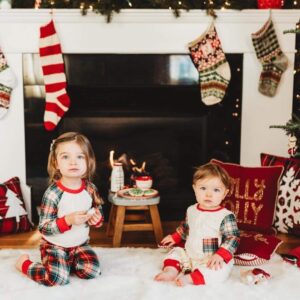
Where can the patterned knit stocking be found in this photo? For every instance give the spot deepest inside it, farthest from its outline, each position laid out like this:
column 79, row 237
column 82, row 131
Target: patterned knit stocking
column 274, row 62
column 57, row 100
column 7, row 83
column 214, row 72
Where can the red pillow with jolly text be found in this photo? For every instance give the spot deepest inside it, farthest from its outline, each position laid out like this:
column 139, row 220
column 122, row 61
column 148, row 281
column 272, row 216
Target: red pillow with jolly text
column 253, row 195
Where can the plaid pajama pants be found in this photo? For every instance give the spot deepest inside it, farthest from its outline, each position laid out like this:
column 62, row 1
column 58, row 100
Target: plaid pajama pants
column 59, row 262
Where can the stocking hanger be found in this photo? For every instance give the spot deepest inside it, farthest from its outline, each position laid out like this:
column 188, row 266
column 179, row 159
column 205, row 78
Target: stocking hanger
column 270, row 14
column 51, row 13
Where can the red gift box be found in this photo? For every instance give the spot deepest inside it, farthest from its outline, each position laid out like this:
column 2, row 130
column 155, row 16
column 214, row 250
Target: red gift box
column 270, row 3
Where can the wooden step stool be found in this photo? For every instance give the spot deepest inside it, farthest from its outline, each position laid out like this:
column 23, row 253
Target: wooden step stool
column 118, row 215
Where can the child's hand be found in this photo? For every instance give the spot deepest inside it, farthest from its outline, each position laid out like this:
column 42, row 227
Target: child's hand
column 167, row 241
column 76, row 218
column 215, row 262
column 95, row 218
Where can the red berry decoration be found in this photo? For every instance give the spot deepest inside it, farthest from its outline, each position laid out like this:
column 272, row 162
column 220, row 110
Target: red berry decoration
column 270, row 3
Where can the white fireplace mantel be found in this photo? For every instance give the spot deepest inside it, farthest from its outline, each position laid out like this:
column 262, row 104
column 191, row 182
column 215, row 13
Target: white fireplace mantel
column 152, row 31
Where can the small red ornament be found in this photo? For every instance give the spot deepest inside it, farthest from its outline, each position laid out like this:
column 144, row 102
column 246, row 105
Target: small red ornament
column 270, row 3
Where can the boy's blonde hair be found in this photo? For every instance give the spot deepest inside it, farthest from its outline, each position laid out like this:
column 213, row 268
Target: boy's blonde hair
column 87, row 150
column 212, row 170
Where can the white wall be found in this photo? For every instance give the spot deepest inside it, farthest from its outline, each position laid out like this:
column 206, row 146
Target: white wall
column 152, row 31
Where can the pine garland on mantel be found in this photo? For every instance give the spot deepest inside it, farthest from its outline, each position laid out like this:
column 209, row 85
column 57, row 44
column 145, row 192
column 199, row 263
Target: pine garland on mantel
column 107, row 7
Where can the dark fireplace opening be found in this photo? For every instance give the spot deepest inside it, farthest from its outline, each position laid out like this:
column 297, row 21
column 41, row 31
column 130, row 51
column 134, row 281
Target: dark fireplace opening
column 144, row 106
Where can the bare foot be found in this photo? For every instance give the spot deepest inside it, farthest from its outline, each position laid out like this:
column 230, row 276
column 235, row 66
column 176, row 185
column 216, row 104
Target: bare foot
column 183, row 280
column 20, row 261
column 168, row 274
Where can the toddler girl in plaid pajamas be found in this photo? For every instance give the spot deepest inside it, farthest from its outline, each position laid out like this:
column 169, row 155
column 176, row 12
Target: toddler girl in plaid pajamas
column 210, row 233
column 65, row 218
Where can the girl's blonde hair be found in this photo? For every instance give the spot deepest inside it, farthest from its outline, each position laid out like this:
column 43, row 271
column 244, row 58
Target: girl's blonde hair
column 212, row 170
column 85, row 145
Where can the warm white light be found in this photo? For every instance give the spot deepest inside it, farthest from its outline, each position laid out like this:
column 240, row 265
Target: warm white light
column 132, row 162
column 238, row 69
column 111, row 157
column 143, row 165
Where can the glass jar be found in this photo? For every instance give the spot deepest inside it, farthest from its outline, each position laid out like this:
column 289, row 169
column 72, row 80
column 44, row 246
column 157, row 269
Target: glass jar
column 117, row 177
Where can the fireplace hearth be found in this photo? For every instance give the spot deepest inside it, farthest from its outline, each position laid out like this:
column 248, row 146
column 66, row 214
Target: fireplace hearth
column 146, row 106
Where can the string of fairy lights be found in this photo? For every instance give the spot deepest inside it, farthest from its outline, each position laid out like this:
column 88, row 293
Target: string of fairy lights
column 109, row 6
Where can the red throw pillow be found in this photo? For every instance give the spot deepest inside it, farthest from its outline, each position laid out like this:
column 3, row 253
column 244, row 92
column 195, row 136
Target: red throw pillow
column 255, row 248
column 287, row 212
column 13, row 215
column 253, row 195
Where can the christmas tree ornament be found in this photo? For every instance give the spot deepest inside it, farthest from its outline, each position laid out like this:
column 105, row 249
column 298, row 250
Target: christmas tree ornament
column 57, row 99
column 270, row 3
column 273, row 61
column 292, row 130
column 214, row 72
column 7, row 83
column 292, row 145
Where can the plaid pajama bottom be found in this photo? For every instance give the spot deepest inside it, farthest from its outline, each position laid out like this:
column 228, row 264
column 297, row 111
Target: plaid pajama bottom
column 59, row 262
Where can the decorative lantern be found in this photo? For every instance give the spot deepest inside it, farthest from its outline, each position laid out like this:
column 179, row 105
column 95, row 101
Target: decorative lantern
column 270, row 4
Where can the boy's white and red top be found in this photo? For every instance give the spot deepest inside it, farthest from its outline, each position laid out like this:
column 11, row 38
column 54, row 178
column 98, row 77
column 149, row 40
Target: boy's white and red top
column 57, row 100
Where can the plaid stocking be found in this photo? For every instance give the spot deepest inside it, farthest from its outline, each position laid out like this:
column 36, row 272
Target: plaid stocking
column 57, row 100
column 7, row 83
column 274, row 62
column 214, row 72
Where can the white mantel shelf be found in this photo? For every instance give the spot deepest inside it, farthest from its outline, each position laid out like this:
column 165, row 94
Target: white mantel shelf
column 152, row 31
column 148, row 16
column 138, row 30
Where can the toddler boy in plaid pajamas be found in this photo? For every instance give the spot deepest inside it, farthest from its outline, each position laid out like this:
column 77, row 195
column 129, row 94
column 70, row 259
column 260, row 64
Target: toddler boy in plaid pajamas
column 210, row 233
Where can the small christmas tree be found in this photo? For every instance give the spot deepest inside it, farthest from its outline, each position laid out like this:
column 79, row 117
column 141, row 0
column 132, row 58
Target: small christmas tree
column 15, row 206
column 292, row 129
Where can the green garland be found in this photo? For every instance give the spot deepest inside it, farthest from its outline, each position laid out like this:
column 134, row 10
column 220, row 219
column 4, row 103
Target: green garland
column 107, row 7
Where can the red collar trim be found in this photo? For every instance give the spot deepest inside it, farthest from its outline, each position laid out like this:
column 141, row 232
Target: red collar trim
column 65, row 189
column 209, row 210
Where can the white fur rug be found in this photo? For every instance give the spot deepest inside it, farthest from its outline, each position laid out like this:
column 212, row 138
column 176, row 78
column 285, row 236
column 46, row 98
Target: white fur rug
column 127, row 273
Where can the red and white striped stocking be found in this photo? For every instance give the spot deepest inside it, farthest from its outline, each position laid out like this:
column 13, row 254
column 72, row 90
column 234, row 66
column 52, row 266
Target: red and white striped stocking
column 57, row 100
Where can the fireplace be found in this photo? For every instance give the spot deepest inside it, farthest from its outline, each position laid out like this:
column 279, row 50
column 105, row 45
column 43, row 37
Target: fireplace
column 143, row 106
